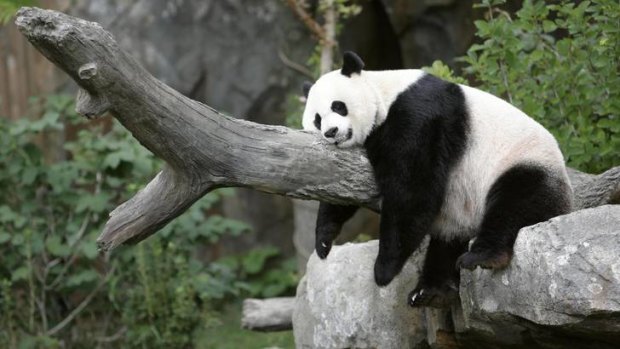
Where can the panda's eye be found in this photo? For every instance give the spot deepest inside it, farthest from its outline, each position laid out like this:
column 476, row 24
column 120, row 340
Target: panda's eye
column 317, row 121
column 340, row 108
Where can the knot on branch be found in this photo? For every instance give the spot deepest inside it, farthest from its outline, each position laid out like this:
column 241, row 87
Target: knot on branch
column 91, row 106
column 87, row 71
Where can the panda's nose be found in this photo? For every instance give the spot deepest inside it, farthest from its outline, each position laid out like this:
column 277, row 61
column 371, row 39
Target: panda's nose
column 331, row 132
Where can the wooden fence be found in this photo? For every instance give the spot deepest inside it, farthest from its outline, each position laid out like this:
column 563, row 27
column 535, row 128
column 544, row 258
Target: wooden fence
column 24, row 72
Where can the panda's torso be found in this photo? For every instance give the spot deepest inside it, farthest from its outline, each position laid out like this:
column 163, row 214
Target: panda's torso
column 449, row 160
column 468, row 137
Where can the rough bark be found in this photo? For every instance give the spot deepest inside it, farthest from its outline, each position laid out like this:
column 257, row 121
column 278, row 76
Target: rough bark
column 203, row 149
column 595, row 190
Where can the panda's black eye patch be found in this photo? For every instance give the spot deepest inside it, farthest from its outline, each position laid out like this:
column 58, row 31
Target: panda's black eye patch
column 317, row 121
column 340, row 108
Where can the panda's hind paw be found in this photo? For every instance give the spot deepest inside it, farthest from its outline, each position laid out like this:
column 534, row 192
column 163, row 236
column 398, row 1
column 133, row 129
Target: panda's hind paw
column 435, row 297
column 486, row 260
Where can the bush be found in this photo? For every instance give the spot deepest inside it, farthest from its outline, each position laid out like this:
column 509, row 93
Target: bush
column 55, row 288
column 558, row 63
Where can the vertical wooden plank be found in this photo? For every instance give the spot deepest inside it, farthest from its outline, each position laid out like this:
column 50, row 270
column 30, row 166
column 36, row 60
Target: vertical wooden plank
column 27, row 69
column 4, row 79
column 13, row 68
column 23, row 71
column 21, row 83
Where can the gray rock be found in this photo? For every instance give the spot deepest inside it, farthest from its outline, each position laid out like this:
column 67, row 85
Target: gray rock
column 563, row 281
column 223, row 52
column 595, row 190
column 339, row 305
column 562, row 290
column 363, row 222
column 431, row 30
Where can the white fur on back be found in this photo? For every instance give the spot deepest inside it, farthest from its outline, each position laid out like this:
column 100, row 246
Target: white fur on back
column 501, row 136
column 388, row 84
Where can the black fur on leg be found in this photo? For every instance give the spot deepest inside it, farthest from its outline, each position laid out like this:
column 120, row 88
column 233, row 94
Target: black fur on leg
column 524, row 195
column 398, row 238
column 328, row 225
column 412, row 154
column 439, row 283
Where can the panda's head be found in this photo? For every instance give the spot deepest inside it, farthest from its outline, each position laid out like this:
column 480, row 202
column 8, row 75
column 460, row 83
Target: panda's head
column 341, row 104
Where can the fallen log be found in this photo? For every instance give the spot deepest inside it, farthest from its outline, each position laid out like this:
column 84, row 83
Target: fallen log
column 268, row 315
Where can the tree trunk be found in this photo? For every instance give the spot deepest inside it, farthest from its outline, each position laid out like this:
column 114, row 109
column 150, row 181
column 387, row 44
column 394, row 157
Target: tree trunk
column 305, row 212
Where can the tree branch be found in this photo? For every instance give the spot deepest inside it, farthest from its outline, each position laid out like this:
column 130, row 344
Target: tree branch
column 203, row 149
column 309, row 22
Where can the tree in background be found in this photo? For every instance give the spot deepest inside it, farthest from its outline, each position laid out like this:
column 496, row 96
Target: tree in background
column 333, row 12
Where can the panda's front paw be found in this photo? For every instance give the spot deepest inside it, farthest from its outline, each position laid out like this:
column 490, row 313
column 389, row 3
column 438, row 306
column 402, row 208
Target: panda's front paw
column 324, row 239
column 386, row 270
column 322, row 248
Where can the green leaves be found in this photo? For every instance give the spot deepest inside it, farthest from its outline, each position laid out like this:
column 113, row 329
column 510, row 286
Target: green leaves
column 264, row 272
column 51, row 213
column 255, row 260
column 95, row 202
column 4, row 237
column 86, row 276
column 55, row 246
column 572, row 85
column 8, row 8
column 89, row 249
column 549, row 26
column 441, row 70
column 20, row 273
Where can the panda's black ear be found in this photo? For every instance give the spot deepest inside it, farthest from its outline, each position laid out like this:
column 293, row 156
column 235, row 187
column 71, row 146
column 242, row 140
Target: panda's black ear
column 351, row 64
column 306, row 88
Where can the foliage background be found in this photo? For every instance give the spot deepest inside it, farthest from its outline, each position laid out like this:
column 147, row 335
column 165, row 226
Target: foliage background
column 559, row 62
column 57, row 291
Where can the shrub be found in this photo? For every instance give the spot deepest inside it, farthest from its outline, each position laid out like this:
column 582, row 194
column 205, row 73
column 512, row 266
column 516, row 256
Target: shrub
column 559, row 63
column 55, row 288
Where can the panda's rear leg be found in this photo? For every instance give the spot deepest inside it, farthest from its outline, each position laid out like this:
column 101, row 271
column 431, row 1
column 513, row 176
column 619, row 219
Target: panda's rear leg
column 439, row 283
column 524, row 195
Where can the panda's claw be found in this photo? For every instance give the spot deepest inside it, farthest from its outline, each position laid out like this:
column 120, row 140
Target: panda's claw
column 322, row 249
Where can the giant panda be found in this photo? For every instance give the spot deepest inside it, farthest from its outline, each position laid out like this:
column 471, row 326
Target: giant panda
column 450, row 161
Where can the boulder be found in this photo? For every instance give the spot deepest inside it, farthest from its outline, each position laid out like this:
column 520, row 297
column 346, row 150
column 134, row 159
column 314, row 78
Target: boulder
column 562, row 287
column 562, row 290
column 338, row 304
